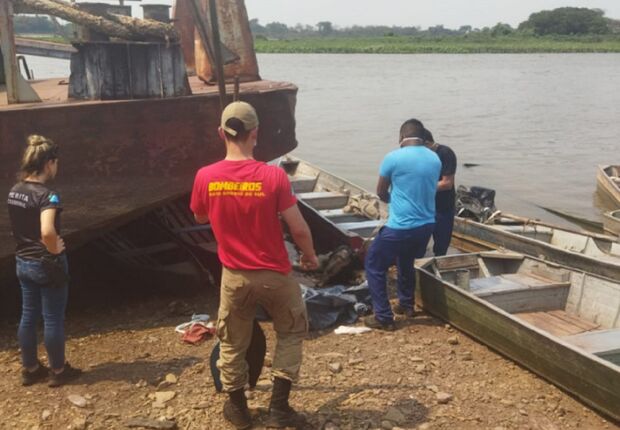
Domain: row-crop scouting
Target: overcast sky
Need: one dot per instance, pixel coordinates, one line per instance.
(422, 13)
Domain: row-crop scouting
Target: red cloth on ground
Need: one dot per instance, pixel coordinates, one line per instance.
(242, 200)
(197, 333)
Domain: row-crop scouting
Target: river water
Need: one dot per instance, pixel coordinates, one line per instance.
(536, 125)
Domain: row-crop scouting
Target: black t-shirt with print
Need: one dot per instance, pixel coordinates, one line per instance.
(26, 201)
(445, 200)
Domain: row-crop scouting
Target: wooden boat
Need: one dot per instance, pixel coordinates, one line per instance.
(611, 222)
(608, 184)
(560, 323)
(590, 252)
(338, 211)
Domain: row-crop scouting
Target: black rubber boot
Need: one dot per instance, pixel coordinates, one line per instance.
(236, 410)
(281, 415)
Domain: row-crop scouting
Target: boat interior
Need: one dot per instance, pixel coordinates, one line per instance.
(581, 309)
(597, 247)
(614, 173)
(347, 206)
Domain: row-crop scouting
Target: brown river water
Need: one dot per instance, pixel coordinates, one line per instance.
(536, 125)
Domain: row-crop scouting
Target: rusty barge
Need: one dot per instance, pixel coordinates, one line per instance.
(136, 119)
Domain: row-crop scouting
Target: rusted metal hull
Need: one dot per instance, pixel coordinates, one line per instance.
(237, 36)
(120, 159)
(184, 23)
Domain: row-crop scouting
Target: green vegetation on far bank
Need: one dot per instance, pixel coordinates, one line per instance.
(466, 44)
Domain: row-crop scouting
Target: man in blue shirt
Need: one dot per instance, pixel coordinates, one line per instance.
(408, 182)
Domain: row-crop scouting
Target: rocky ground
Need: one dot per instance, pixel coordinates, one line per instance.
(138, 374)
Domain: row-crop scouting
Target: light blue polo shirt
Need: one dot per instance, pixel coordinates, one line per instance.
(413, 172)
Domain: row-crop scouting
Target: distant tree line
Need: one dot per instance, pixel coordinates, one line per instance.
(37, 24)
(561, 21)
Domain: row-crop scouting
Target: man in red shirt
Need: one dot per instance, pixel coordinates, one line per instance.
(242, 199)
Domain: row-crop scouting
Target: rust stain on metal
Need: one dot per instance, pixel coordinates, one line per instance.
(182, 19)
(236, 35)
(119, 157)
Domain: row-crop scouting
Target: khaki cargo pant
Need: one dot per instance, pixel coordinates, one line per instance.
(280, 296)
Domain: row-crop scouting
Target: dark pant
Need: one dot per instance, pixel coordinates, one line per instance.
(394, 246)
(40, 299)
(442, 235)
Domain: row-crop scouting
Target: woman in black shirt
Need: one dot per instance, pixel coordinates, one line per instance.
(34, 211)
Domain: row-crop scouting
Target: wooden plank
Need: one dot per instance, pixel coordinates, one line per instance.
(153, 72)
(548, 323)
(121, 76)
(179, 71)
(78, 84)
(554, 323)
(139, 75)
(464, 261)
(593, 380)
(324, 200)
(167, 71)
(582, 323)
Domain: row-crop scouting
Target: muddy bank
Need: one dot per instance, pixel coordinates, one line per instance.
(426, 375)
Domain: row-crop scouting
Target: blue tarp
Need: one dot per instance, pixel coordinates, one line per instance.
(335, 305)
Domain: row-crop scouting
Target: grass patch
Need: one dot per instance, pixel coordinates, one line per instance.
(468, 44)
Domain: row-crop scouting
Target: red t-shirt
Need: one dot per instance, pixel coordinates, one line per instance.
(242, 200)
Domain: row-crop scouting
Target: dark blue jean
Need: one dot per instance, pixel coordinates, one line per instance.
(444, 223)
(39, 299)
(395, 246)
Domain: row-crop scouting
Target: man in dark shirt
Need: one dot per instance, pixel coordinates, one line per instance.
(445, 197)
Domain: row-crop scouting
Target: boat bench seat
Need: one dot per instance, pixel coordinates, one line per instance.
(518, 292)
(340, 216)
(363, 228)
(604, 343)
(303, 184)
(325, 199)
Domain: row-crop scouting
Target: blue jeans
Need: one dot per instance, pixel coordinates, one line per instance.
(444, 223)
(39, 299)
(395, 246)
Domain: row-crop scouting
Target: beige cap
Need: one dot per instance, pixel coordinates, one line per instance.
(244, 112)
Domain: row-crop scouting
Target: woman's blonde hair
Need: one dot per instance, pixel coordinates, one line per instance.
(39, 150)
